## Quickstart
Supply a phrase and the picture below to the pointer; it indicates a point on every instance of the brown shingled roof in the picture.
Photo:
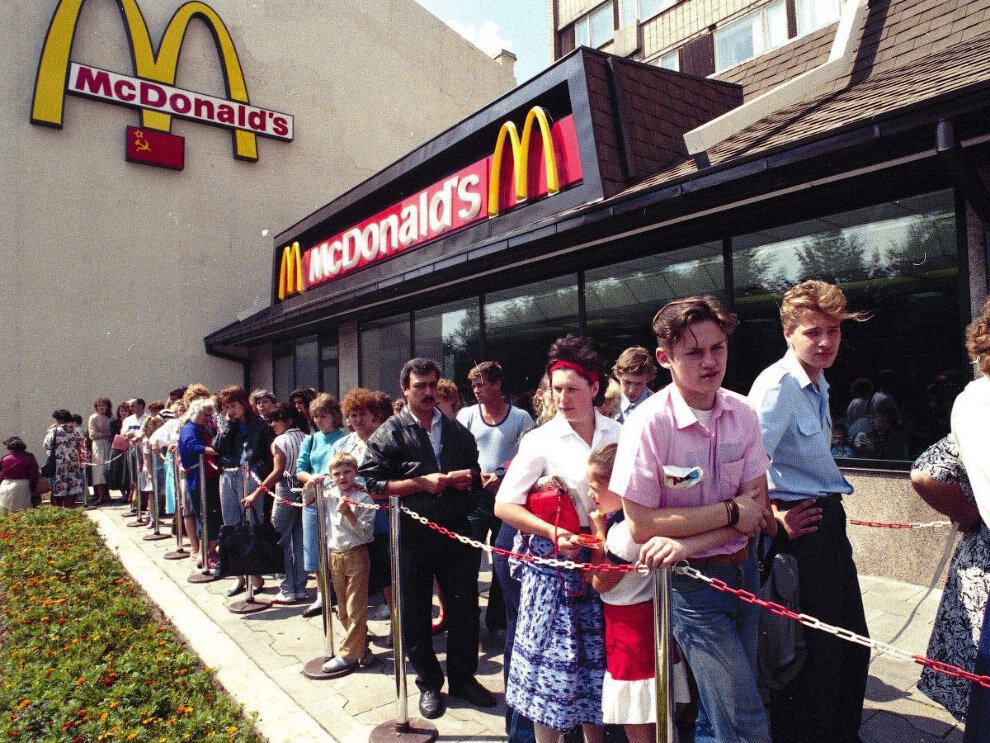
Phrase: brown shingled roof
(945, 74)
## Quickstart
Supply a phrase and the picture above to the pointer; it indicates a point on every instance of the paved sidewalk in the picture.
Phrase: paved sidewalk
(259, 657)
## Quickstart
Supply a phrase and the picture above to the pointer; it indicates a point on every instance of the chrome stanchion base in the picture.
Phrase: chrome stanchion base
(155, 537)
(314, 670)
(414, 731)
(175, 555)
(248, 606)
(199, 577)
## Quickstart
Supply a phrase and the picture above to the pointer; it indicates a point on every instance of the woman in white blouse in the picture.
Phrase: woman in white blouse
(971, 429)
(558, 661)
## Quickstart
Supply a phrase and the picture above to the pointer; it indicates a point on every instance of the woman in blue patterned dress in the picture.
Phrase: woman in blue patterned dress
(558, 660)
(941, 481)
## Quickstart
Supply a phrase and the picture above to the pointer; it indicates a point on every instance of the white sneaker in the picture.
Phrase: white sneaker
(284, 598)
(380, 613)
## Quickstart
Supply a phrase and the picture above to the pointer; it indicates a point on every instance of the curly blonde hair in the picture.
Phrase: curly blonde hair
(815, 296)
(978, 339)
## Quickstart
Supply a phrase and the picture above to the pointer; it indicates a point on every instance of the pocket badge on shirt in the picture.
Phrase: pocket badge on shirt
(681, 477)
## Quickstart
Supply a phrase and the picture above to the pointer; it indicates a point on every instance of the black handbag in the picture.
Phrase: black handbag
(48, 469)
(249, 548)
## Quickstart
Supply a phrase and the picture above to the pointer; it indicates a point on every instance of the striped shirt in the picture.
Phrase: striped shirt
(289, 443)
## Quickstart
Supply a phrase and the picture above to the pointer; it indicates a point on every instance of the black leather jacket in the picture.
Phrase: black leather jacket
(400, 449)
(256, 443)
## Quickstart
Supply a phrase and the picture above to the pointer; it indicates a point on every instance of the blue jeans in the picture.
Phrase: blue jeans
(287, 521)
(231, 493)
(717, 633)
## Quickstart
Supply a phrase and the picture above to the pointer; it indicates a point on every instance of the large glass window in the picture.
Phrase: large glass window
(307, 363)
(330, 364)
(384, 348)
(451, 334)
(751, 35)
(283, 376)
(815, 14)
(898, 262)
(521, 323)
(620, 300)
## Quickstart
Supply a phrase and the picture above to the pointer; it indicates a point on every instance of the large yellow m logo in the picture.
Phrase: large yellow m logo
(290, 273)
(53, 69)
(520, 149)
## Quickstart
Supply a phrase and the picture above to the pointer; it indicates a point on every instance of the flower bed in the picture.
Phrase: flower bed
(82, 655)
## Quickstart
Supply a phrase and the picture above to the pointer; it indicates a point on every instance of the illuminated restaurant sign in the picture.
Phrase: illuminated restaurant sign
(539, 162)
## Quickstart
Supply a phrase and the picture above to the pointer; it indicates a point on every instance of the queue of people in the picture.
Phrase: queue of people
(692, 473)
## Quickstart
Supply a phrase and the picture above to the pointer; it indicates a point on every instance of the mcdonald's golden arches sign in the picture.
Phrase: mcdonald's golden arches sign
(152, 89)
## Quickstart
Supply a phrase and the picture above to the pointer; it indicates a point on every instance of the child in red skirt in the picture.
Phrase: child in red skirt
(628, 691)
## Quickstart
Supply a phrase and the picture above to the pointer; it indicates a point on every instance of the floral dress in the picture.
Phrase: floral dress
(956, 630)
(69, 481)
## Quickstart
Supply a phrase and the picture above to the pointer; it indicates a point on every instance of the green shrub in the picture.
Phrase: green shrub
(82, 657)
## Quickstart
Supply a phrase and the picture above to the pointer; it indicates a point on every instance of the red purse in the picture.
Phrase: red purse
(552, 503)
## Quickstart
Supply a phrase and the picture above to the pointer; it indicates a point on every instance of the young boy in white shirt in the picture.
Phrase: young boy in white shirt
(350, 529)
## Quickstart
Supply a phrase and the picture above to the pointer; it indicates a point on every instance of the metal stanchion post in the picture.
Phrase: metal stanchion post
(156, 534)
(137, 459)
(314, 668)
(180, 498)
(129, 470)
(249, 605)
(663, 648)
(206, 575)
(402, 728)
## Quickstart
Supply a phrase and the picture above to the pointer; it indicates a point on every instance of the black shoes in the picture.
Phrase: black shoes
(472, 692)
(430, 704)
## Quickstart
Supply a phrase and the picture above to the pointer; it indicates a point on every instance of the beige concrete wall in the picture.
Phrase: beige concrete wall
(911, 555)
(112, 273)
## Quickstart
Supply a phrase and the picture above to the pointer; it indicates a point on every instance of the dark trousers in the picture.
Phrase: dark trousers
(426, 555)
(978, 712)
(484, 524)
(824, 704)
(519, 728)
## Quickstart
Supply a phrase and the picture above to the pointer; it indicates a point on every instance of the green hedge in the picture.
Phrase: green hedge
(82, 657)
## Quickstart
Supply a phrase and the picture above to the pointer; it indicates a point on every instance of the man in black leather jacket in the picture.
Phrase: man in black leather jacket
(431, 462)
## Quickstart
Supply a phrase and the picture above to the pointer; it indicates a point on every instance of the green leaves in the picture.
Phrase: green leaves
(82, 656)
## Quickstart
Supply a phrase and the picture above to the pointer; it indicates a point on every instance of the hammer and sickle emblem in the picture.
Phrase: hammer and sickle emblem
(140, 143)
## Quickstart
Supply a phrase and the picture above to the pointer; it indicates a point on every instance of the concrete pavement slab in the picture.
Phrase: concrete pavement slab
(259, 658)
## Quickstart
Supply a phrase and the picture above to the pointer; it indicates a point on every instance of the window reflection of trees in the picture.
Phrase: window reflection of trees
(896, 260)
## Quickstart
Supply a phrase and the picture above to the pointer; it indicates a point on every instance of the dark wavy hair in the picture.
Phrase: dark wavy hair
(62, 415)
(283, 411)
(578, 350)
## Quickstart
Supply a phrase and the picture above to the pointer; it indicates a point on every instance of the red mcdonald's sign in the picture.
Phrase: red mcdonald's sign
(541, 161)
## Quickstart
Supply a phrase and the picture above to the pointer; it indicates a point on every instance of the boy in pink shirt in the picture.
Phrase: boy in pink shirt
(691, 463)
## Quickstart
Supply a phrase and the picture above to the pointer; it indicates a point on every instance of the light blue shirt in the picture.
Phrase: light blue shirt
(797, 432)
(627, 406)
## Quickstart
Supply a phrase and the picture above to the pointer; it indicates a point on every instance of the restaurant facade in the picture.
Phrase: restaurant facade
(152, 149)
(583, 200)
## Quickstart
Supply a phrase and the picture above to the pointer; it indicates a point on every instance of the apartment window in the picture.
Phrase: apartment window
(669, 61)
(596, 28)
(815, 14)
(631, 11)
(751, 35)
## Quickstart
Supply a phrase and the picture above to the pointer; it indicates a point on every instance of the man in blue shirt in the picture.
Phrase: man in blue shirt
(634, 370)
(824, 703)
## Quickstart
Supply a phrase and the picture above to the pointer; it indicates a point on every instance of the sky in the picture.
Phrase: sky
(520, 26)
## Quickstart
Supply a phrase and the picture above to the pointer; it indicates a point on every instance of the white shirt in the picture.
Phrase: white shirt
(133, 423)
(555, 449)
(167, 435)
(971, 429)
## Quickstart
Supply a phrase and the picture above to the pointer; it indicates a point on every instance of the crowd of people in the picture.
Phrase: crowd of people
(602, 470)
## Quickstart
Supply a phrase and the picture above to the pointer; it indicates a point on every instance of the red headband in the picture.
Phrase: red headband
(591, 376)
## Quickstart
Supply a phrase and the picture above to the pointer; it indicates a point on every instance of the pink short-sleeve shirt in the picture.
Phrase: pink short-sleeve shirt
(662, 444)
